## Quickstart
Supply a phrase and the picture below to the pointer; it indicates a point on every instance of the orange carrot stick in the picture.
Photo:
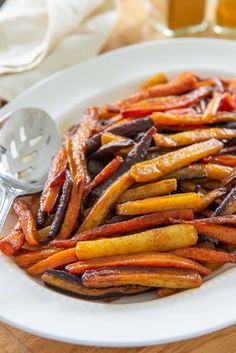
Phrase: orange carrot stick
(225, 159)
(183, 83)
(59, 259)
(73, 209)
(79, 139)
(205, 255)
(50, 195)
(28, 258)
(149, 106)
(27, 221)
(13, 242)
(109, 169)
(154, 259)
(225, 234)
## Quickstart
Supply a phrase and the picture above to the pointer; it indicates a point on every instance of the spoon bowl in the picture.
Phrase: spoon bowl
(29, 138)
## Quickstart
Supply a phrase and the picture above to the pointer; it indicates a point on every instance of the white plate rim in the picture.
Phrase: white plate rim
(8, 272)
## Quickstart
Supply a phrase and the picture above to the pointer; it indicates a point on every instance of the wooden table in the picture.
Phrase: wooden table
(131, 28)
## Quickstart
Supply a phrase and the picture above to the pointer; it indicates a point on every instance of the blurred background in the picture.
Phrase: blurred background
(143, 20)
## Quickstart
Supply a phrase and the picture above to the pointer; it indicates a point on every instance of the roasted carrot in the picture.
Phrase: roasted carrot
(199, 135)
(211, 197)
(212, 107)
(211, 184)
(224, 233)
(229, 177)
(182, 84)
(172, 161)
(193, 171)
(157, 239)
(73, 209)
(108, 137)
(62, 206)
(207, 82)
(69, 283)
(50, 195)
(69, 153)
(145, 259)
(131, 128)
(169, 120)
(137, 154)
(223, 117)
(227, 150)
(158, 78)
(109, 169)
(227, 160)
(205, 255)
(27, 221)
(126, 129)
(149, 106)
(59, 179)
(170, 278)
(217, 172)
(101, 208)
(163, 141)
(162, 187)
(131, 225)
(211, 220)
(79, 139)
(59, 259)
(108, 111)
(228, 101)
(13, 242)
(160, 203)
(112, 148)
(228, 206)
(27, 258)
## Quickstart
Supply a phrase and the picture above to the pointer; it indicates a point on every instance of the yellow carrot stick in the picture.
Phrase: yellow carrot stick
(161, 203)
(160, 77)
(169, 162)
(101, 208)
(163, 141)
(216, 171)
(162, 187)
(212, 107)
(199, 135)
(108, 137)
(158, 239)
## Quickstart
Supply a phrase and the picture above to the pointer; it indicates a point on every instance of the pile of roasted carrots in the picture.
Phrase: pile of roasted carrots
(141, 195)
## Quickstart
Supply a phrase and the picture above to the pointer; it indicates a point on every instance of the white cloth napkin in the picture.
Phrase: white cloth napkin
(40, 37)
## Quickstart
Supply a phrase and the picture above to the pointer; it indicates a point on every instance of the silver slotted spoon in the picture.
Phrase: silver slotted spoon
(28, 140)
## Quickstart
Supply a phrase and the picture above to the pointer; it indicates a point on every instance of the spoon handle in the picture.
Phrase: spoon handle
(7, 196)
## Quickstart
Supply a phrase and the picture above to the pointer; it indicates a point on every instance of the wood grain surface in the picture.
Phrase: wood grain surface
(132, 27)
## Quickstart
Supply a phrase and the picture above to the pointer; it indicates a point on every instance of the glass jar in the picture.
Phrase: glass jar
(225, 17)
(177, 17)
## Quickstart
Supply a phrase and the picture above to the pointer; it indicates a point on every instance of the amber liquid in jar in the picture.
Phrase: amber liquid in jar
(225, 16)
(177, 17)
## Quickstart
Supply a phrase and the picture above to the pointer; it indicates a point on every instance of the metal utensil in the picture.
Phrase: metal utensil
(28, 140)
